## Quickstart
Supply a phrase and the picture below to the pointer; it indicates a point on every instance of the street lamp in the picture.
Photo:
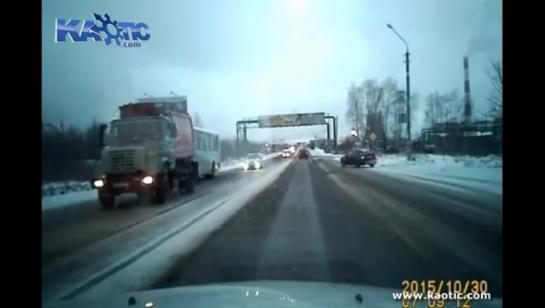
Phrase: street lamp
(408, 89)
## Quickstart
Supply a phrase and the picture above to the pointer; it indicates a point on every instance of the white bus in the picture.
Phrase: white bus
(207, 152)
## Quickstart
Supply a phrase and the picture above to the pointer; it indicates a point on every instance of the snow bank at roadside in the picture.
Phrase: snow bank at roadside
(428, 160)
(319, 153)
(63, 194)
(483, 172)
(73, 198)
(441, 161)
(478, 172)
(61, 188)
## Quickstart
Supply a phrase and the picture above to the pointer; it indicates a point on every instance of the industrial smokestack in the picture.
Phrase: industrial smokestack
(467, 93)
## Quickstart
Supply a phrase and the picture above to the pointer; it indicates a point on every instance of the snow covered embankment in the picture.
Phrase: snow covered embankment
(478, 172)
(62, 194)
(319, 153)
(484, 173)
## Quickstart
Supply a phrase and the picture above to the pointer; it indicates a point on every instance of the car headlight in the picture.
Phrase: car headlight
(148, 179)
(257, 165)
(98, 183)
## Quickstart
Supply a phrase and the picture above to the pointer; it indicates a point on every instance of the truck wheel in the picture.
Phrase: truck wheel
(160, 191)
(107, 201)
(371, 165)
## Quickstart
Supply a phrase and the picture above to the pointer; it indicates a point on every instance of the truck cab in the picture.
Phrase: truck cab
(147, 151)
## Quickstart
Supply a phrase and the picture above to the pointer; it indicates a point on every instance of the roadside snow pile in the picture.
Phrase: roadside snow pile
(441, 161)
(74, 198)
(61, 188)
(483, 172)
(319, 153)
(391, 159)
(490, 161)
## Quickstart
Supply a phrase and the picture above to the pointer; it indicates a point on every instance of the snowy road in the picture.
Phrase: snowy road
(295, 220)
(325, 223)
(81, 239)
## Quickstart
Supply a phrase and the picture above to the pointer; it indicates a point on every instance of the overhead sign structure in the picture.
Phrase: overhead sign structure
(287, 120)
(296, 119)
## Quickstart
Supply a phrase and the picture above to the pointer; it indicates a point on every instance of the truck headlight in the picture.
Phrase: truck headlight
(98, 183)
(257, 165)
(148, 179)
(245, 166)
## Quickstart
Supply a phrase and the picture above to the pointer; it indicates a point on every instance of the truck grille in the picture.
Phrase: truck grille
(122, 160)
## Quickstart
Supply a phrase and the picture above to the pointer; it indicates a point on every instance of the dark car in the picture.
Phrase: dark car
(359, 158)
(303, 154)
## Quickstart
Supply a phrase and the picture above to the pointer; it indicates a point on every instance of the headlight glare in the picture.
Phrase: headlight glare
(147, 180)
(98, 183)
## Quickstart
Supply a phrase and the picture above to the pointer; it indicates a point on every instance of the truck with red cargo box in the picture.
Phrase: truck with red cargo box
(148, 150)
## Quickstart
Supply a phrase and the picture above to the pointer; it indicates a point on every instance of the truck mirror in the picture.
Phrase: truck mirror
(103, 128)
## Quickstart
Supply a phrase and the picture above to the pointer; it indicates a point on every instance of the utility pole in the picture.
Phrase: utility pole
(407, 90)
(408, 85)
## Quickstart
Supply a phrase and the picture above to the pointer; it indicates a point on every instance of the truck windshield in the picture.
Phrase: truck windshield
(127, 132)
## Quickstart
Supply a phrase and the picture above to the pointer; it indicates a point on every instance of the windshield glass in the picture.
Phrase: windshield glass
(192, 143)
(126, 132)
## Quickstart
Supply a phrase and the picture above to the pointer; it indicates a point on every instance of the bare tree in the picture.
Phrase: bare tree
(372, 94)
(441, 108)
(454, 106)
(355, 114)
(390, 97)
(495, 99)
(379, 99)
(433, 109)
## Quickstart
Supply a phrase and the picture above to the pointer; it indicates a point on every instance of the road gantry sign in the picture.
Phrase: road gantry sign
(297, 119)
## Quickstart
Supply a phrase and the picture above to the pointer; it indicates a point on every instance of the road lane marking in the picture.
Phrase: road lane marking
(299, 198)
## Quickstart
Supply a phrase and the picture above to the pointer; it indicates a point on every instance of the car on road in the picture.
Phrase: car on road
(253, 161)
(286, 153)
(359, 158)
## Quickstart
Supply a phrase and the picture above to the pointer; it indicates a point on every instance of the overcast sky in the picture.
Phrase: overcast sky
(244, 58)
